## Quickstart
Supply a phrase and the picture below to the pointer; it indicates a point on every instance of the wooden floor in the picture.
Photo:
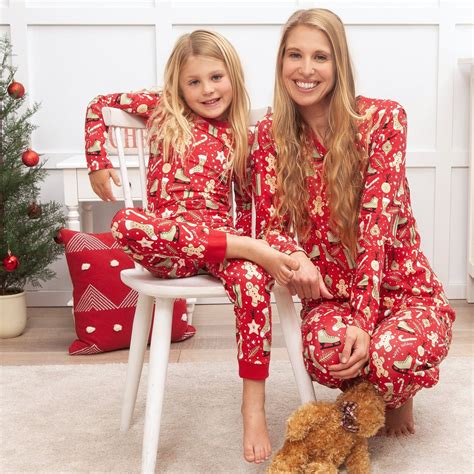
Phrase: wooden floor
(50, 331)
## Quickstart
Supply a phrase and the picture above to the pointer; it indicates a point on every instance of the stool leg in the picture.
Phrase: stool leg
(159, 355)
(190, 305)
(292, 334)
(138, 343)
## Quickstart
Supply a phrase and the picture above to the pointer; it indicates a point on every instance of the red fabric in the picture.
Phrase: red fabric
(103, 306)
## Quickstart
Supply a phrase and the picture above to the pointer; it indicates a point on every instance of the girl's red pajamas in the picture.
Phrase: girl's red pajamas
(389, 290)
(183, 231)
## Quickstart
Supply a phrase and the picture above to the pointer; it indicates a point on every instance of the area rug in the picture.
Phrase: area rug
(65, 419)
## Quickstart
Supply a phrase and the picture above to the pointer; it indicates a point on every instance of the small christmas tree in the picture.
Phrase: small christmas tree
(27, 227)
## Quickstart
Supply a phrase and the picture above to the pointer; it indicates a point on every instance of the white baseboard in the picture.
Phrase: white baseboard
(224, 300)
(62, 297)
(48, 298)
(456, 292)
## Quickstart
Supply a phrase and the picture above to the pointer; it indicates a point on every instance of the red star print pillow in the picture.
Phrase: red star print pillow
(104, 306)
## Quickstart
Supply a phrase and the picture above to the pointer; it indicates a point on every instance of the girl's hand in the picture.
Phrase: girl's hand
(307, 281)
(100, 182)
(354, 356)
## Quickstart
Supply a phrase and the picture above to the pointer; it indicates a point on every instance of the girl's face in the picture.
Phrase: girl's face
(205, 86)
(308, 68)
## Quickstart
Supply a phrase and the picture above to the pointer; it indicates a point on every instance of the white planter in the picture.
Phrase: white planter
(12, 315)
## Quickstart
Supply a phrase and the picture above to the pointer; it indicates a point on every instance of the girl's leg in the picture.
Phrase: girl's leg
(279, 265)
(143, 235)
(256, 442)
(248, 287)
(405, 352)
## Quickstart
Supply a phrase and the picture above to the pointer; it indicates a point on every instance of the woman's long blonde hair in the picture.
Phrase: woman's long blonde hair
(343, 162)
(171, 122)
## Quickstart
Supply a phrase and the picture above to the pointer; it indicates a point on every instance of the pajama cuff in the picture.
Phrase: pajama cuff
(216, 246)
(251, 371)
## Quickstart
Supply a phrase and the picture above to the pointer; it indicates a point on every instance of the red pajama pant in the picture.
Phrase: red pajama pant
(405, 350)
(172, 249)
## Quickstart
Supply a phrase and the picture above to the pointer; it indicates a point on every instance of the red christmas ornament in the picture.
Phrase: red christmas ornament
(16, 90)
(30, 158)
(10, 262)
(58, 237)
(34, 211)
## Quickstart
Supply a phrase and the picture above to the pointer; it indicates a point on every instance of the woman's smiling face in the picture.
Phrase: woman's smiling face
(308, 69)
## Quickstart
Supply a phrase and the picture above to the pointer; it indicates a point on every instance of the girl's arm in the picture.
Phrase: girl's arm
(379, 204)
(243, 208)
(101, 170)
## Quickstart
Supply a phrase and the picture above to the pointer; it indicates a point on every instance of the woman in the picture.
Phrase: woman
(330, 166)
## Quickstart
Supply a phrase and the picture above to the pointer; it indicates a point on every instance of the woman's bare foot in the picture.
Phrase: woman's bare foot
(400, 421)
(279, 265)
(256, 443)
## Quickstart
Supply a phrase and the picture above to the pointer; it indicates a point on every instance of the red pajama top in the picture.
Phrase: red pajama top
(194, 189)
(390, 267)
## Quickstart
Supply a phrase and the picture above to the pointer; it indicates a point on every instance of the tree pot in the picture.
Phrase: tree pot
(12, 314)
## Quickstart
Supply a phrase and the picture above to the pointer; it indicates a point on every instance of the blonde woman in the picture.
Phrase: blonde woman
(198, 146)
(330, 166)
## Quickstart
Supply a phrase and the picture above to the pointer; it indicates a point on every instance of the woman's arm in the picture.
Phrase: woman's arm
(384, 178)
(383, 184)
(307, 281)
(264, 179)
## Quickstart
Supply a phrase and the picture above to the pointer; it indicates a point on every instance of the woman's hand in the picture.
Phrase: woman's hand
(100, 182)
(354, 356)
(307, 281)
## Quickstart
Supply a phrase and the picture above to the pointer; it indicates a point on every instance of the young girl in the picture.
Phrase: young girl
(332, 166)
(198, 139)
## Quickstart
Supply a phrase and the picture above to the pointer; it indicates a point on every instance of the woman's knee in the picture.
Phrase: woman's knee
(323, 336)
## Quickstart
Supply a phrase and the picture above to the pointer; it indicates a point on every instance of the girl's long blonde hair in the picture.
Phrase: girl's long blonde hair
(344, 161)
(171, 122)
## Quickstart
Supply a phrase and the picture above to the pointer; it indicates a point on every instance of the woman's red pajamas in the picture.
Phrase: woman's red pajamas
(183, 230)
(389, 290)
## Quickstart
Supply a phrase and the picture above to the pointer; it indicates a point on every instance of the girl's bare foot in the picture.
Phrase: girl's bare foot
(257, 447)
(400, 421)
(279, 265)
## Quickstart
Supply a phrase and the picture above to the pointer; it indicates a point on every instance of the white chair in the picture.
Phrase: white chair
(162, 293)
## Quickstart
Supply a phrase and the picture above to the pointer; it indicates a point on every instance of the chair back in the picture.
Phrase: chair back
(118, 120)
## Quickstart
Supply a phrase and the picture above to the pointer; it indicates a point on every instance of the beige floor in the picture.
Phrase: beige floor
(50, 331)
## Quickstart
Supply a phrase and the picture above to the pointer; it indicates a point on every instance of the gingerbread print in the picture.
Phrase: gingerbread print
(183, 230)
(389, 291)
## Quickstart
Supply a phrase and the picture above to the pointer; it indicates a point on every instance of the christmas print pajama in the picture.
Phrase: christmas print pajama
(183, 230)
(388, 289)
(405, 349)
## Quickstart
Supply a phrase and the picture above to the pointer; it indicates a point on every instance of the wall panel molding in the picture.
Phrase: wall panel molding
(439, 148)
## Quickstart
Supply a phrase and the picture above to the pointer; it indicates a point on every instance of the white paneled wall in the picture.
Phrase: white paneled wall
(69, 51)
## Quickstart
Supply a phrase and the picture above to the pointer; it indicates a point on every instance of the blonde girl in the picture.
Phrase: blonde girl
(198, 138)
